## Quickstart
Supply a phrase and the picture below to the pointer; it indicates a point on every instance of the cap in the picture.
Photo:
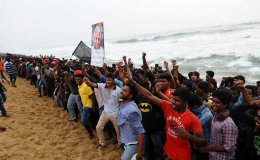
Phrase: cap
(77, 72)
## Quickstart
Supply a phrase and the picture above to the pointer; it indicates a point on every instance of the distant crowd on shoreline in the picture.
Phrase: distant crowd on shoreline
(152, 112)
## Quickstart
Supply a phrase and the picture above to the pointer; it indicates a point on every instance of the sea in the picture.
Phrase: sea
(228, 50)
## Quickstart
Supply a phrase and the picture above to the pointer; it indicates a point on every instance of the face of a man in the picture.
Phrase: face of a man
(194, 77)
(164, 83)
(109, 82)
(97, 39)
(125, 94)
(238, 82)
(177, 102)
(140, 76)
(207, 77)
(217, 105)
(79, 80)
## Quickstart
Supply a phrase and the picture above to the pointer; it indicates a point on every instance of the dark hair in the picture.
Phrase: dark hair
(182, 93)
(234, 88)
(165, 76)
(210, 73)
(223, 95)
(194, 100)
(214, 82)
(140, 71)
(133, 90)
(143, 83)
(110, 75)
(204, 86)
(188, 83)
(240, 77)
(189, 75)
(197, 74)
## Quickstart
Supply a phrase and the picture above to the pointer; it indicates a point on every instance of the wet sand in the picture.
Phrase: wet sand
(36, 129)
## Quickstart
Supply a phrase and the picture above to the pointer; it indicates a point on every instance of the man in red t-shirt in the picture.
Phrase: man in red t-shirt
(165, 82)
(179, 122)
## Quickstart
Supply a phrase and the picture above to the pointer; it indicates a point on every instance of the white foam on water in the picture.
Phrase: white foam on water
(240, 62)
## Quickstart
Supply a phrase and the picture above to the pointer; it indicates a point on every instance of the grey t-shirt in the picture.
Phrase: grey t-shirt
(111, 99)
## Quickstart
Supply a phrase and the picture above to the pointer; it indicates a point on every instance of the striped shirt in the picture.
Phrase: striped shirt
(9, 66)
(224, 133)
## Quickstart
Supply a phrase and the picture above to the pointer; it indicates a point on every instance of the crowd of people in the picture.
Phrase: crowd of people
(150, 112)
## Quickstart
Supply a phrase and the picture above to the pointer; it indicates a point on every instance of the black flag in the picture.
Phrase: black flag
(83, 52)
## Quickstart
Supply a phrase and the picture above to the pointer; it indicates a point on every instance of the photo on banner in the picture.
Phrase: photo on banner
(97, 45)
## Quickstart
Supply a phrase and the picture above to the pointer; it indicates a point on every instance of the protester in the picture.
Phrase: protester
(110, 94)
(9, 66)
(129, 121)
(179, 122)
(154, 104)
(224, 131)
(86, 95)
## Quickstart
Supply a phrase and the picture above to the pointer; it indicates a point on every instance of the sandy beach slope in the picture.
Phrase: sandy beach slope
(38, 130)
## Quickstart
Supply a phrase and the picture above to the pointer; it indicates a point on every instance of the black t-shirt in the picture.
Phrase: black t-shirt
(74, 87)
(152, 115)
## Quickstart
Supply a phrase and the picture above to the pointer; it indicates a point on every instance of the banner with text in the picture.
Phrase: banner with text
(97, 45)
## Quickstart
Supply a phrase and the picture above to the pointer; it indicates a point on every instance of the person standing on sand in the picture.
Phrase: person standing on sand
(129, 121)
(10, 70)
(110, 94)
(2, 71)
(74, 97)
(87, 96)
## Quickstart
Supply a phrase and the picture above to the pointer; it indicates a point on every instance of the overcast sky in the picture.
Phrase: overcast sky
(31, 24)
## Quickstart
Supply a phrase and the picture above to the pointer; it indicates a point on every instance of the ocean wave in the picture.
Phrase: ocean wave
(211, 30)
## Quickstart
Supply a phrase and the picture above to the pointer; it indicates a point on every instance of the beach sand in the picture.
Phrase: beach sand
(38, 130)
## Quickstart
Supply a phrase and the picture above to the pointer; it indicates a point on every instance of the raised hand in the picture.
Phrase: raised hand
(165, 64)
(124, 58)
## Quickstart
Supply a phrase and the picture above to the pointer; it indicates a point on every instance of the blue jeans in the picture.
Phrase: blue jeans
(74, 100)
(2, 108)
(86, 113)
(129, 151)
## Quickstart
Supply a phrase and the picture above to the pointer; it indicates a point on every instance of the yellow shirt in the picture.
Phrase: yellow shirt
(85, 91)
